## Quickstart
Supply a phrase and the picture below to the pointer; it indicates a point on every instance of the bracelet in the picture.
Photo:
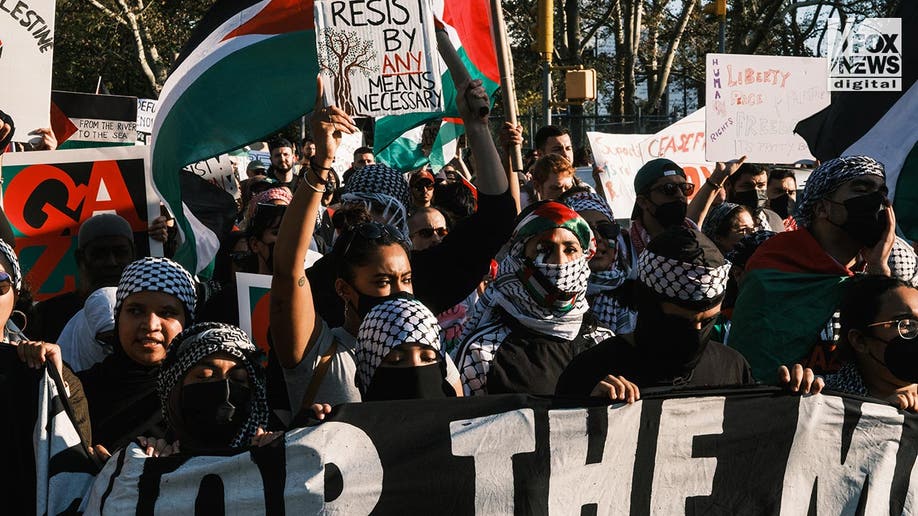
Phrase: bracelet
(319, 180)
(313, 166)
(313, 188)
(714, 185)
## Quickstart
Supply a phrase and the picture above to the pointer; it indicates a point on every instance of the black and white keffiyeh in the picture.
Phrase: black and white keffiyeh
(682, 282)
(388, 325)
(828, 177)
(903, 262)
(743, 250)
(205, 339)
(584, 200)
(152, 274)
(382, 187)
(10, 255)
(716, 217)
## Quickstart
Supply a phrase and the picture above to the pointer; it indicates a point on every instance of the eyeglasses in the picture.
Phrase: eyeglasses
(743, 231)
(670, 189)
(908, 328)
(429, 232)
(6, 283)
(372, 231)
(423, 187)
(606, 230)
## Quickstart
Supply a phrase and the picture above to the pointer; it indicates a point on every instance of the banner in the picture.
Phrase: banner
(618, 156)
(253, 295)
(379, 59)
(747, 451)
(83, 120)
(755, 102)
(26, 53)
(48, 195)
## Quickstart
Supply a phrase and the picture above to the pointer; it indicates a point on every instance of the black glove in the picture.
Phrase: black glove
(6, 119)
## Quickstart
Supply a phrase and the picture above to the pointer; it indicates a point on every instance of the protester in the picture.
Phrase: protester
(726, 224)
(843, 215)
(552, 175)
(608, 291)
(661, 201)
(262, 234)
(552, 139)
(87, 337)
(426, 228)
(283, 163)
(782, 192)
(421, 184)
(683, 277)
(255, 168)
(748, 187)
(534, 318)
(105, 246)
(363, 156)
(154, 302)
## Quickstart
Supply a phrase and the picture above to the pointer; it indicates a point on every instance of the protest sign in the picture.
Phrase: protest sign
(84, 120)
(48, 195)
(684, 143)
(253, 295)
(146, 111)
(220, 171)
(379, 60)
(344, 157)
(754, 102)
(26, 53)
(618, 156)
(733, 451)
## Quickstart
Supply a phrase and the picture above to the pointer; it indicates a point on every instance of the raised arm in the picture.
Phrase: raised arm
(698, 208)
(294, 322)
(492, 180)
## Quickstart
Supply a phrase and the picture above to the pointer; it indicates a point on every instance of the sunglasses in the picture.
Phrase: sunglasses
(670, 189)
(423, 187)
(372, 231)
(908, 328)
(6, 283)
(429, 232)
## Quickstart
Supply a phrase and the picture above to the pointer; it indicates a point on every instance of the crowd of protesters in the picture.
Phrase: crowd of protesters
(390, 284)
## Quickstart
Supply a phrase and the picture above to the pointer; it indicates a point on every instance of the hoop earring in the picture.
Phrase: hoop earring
(25, 320)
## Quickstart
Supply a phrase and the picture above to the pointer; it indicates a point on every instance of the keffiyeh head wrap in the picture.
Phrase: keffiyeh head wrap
(585, 200)
(384, 186)
(716, 218)
(269, 196)
(16, 273)
(683, 266)
(152, 274)
(200, 341)
(388, 325)
(903, 262)
(828, 177)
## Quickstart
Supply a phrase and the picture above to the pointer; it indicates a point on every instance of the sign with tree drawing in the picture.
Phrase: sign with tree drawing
(379, 58)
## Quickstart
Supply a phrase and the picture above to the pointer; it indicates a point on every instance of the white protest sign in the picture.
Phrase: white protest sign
(755, 102)
(618, 156)
(219, 171)
(344, 156)
(146, 110)
(684, 143)
(379, 59)
(26, 53)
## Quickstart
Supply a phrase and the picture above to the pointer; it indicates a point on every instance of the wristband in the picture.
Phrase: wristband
(313, 167)
(714, 185)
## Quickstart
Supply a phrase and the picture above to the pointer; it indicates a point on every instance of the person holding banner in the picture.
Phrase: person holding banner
(683, 279)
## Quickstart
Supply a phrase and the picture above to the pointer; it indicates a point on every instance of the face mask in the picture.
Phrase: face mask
(366, 303)
(753, 199)
(674, 341)
(554, 286)
(671, 213)
(214, 412)
(408, 383)
(901, 358)
(783, 205)
(866, 221)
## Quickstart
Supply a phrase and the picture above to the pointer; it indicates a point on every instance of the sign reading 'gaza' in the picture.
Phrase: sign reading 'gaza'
(735, 452)
(379, 57)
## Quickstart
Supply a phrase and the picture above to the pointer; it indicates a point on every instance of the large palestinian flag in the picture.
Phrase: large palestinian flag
(468, 24)
(200, 111)
(882, 125)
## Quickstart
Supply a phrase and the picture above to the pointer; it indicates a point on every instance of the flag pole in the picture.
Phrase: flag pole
(457, 68)
(507, 86)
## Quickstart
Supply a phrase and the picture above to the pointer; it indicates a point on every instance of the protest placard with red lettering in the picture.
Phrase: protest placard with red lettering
(48, 195)
(26, 53)
(754, 103)
(684, 143)
(618, 157)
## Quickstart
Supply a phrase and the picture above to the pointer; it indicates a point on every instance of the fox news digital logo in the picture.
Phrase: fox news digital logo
(866, 56)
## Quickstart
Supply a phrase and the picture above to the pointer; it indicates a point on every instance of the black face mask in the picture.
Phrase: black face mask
(366, 303)
(674, 342)
(214, 412)
(408, 383)
(901, 358)
(866, 220)
(753, 199)
(671, 213)
(783, 205)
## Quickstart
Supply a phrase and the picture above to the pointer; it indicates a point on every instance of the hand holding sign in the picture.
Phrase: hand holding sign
(722, 171)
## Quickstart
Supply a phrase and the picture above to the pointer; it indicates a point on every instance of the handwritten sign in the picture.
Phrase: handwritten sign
(754, 103)
(344, 156)
(684, 143)
(146, 111)
(49, 194)
(26, 53)
(221, 171)
(379, 58)
(618, 156)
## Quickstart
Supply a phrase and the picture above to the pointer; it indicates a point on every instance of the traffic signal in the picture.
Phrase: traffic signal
(718, 8)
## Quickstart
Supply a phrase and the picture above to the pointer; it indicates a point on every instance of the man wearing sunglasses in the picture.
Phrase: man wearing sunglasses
(422, 190)
(426, 228)
(661, 201)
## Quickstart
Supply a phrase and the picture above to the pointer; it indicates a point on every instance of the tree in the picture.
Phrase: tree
(342, 54)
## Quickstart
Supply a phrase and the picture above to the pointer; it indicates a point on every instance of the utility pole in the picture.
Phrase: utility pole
(545, 46)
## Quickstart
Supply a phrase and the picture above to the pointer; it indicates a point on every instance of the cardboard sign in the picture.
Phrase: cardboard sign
(48, 195)
(684, 143)
(221, 171)
(618, 156)
(379, 59)
(26, 53)
(754, 103)
(84, 120)
(253, 294)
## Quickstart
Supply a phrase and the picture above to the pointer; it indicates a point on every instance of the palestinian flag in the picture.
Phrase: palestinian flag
(882, 125)
(469, 27)
(407, 152)
(200, 107)
(86, 120)
(444, 147)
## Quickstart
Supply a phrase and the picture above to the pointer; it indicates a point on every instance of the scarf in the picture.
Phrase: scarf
(382, 186)
(828, 177)
(16, 273)
(153, 274)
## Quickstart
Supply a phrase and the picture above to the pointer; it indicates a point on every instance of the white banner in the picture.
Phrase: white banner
(755, 102)
(618, 157)
(26, 53)
(379, 58)
(219, 171)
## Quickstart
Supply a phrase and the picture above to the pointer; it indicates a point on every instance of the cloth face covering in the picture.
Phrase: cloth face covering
(828, 177)
(214, 412)
(673, 342)
(783, 205)
(187, 349)
(388, 325)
